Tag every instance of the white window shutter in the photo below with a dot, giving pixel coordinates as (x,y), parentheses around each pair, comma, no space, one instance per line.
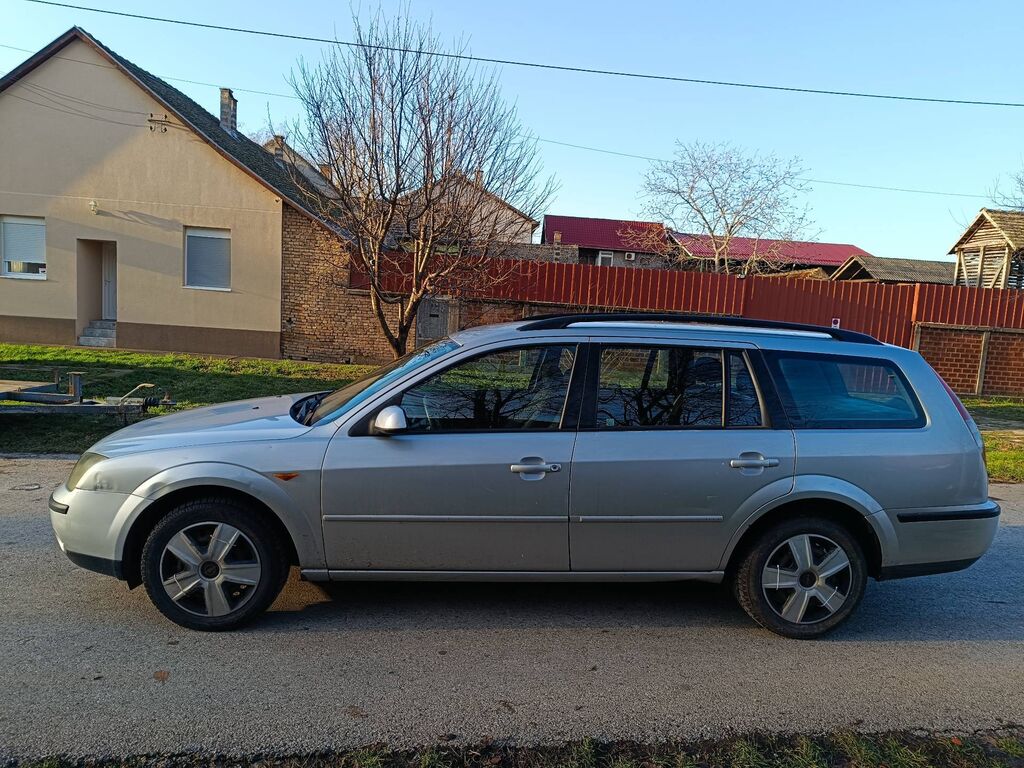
(23,246)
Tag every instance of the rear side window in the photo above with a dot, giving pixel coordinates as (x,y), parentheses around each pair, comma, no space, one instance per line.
(835,392)
(681,387)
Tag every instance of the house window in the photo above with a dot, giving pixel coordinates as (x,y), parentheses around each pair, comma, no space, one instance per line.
(22,247)
(208,258)
(604,258)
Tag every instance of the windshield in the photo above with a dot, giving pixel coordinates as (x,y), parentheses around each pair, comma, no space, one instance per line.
(345,399)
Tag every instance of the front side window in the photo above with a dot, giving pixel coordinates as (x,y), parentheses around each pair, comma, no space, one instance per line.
(605,258)
(833,392)
(674,387)
(208,258)
(22,247)
(524,388)
(343,400)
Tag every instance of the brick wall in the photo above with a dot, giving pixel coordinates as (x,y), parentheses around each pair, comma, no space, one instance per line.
(321,318)
(1004,364)
(957,354)
(559,254)
(954,353)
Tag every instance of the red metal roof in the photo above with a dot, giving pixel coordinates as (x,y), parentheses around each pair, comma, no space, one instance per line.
(603,234)
(794,252)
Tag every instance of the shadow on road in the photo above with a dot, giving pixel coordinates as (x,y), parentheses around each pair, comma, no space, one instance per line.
(983,603)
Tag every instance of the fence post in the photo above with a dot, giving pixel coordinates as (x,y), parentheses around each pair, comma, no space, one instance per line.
(979,387)
(744,295)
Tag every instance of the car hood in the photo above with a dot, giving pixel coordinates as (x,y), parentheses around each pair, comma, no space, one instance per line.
(264,418)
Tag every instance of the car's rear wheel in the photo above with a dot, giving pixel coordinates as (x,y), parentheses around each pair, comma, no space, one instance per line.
(802,577)
(213,564)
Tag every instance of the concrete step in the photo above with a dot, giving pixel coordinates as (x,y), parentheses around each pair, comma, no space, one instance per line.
(96,341)
(104,333)
(107,324)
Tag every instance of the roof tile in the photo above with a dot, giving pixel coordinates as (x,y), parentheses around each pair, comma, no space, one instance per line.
(792,252)
(602,234)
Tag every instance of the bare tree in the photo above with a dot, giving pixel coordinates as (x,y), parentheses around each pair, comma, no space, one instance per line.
(1010,196)
(716,193)
(432,176)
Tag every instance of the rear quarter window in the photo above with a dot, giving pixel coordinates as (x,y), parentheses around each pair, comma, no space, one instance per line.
(839,392)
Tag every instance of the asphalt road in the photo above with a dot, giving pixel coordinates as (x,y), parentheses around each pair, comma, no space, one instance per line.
(90,668)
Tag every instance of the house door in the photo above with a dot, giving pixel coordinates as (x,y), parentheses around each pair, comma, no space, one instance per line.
(109,281)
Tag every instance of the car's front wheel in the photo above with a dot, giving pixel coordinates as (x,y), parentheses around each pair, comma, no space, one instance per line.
(213,564)
(802,577)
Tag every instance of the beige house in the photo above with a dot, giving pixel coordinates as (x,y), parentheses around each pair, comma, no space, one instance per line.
(132,217)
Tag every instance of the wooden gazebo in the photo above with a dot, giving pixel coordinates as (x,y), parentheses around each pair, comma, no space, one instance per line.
(990,254)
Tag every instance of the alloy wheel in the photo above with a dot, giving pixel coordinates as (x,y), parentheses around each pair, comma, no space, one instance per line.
(807,578)
(210,569)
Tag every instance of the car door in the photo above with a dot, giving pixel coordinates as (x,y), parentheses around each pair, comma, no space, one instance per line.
(479,479)
(675,449)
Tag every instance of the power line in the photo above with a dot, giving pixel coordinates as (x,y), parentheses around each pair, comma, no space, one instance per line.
(533,64)
(811,181)
(165,77)
(75,112)
(584,147)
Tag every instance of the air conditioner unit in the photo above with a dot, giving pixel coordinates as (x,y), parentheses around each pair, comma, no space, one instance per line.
(629,256)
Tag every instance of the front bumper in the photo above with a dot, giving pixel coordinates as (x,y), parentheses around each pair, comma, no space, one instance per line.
(97,564)
(88,527)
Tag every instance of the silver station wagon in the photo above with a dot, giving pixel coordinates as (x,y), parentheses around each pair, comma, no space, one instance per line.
(792,461)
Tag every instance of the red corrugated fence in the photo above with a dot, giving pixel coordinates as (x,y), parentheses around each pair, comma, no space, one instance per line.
(888,312)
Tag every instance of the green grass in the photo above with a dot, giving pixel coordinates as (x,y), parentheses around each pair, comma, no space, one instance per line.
(190,380)
(200,380)
(1007,409)
(997,417)
(1005,456)
(849,750)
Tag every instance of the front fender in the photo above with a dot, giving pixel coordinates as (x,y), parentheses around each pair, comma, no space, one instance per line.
(824,487)
(300,516)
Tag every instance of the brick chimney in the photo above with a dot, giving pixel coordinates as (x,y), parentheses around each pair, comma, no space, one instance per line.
(325,171)
(278,147)
(228,110)
(557,237)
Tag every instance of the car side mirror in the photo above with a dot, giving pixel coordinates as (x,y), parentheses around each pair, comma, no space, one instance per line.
(390,421)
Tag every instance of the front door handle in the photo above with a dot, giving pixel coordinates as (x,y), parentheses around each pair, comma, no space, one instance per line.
(746,461)
(532,466)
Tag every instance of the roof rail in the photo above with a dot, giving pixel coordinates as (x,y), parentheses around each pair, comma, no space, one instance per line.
(551,322)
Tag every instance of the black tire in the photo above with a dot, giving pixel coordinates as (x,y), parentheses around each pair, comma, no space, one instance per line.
(764,603)
(258,544)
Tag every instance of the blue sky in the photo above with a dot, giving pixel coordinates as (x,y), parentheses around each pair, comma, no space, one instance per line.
(918,48)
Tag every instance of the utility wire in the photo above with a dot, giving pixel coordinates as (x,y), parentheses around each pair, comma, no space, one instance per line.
(583,147)
(533,64)
(165,77)
(811,181)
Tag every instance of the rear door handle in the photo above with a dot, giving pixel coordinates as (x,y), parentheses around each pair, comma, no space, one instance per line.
(750,462)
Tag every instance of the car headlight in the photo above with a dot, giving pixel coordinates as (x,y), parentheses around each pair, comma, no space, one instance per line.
(85,463)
